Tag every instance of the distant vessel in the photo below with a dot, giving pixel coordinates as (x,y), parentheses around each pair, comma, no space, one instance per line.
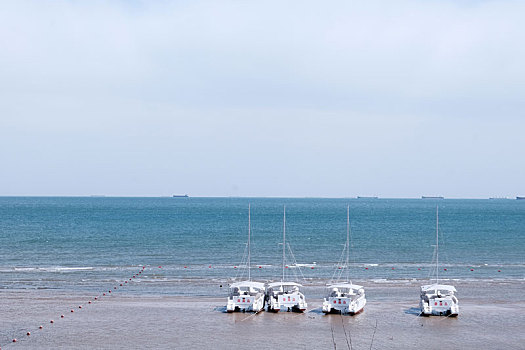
(438,299)
(367,197)
(345,298)
(246,295)
(520,198)
(498,198)
(432,197)
(283,295)
(180,196)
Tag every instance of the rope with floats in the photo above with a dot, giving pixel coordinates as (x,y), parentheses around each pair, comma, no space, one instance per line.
(39,329)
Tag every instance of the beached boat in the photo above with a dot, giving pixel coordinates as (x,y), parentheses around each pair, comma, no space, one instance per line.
(246,295)
(345,297)
(285,295)
(438,299)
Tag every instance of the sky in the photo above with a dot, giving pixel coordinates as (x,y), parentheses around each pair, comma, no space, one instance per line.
(262,98)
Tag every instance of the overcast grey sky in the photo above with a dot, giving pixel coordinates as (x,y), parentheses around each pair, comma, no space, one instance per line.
(262,98)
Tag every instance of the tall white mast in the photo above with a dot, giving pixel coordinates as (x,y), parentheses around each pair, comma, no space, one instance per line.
(437,244)
(347,242)
(249,247)
(284,239)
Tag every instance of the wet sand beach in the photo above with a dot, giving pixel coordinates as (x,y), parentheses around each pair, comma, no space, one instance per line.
(492,316)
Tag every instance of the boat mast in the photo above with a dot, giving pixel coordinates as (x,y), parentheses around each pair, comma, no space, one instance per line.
(284,239)
(347,242)
(249,248)
(437,244)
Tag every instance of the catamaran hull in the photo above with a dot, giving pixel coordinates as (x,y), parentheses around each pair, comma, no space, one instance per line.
(343,312)
(344,306)
(274,305)
(447,313)
(238,305)
(436,310)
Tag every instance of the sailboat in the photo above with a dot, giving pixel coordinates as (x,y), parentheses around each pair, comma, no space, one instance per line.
(345,297)
(438,299)
(246,295)
(285,295)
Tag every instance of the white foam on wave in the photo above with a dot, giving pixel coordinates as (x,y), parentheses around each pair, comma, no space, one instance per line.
(65,269)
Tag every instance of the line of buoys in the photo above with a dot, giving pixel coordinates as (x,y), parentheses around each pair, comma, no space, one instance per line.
(28,333)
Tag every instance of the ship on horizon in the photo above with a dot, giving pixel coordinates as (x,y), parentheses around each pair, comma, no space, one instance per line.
(432,197)
(520,198)
(180,196)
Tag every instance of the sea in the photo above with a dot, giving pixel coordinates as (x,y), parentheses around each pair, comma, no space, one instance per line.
(198,245)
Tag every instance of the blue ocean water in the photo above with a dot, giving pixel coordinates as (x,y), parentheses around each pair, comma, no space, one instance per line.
(79,242)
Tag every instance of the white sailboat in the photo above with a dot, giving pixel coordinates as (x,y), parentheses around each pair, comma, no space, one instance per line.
(285,295)
(438,299)
(345,297)
(246,295)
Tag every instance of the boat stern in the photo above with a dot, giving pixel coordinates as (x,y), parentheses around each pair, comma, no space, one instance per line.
(343,305)
(439,307)
(245,303)
(293,301)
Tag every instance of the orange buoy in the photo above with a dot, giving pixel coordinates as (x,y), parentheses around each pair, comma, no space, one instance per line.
(14,340)
(89,302)
(260,267)
(51,321)
(393,268)
(96,298)
(235,267)
(80,306)
(286,266)
(28,333)
(103,294)
(61,316)
(312,267)
(366,268)
(160,267)
(471,269)
(209,267)
(499,270)
(121,284)
(72,310)
(444,269)
(40,327)
(418,268)
(109,291)
(114,287)
(125,281)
